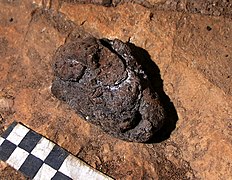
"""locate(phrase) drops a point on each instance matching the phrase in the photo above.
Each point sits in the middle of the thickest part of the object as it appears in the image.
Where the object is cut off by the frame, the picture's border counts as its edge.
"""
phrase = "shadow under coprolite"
(153, 73)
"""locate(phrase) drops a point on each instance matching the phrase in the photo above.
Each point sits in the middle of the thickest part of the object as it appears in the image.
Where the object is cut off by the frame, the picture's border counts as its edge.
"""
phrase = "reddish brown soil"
(190, 46)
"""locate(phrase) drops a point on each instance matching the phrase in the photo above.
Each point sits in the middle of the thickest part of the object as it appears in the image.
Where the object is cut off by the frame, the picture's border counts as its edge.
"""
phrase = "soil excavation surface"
(190, 48)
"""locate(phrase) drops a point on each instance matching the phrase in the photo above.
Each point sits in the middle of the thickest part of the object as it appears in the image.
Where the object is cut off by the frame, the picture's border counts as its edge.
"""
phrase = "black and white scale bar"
(40, 159)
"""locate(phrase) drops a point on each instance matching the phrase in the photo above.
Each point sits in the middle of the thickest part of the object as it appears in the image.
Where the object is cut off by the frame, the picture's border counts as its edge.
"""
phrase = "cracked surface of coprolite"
(102, 82)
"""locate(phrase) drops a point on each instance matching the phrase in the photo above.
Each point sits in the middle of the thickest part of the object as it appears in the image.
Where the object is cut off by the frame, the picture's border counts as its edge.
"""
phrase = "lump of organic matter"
(102, 82)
